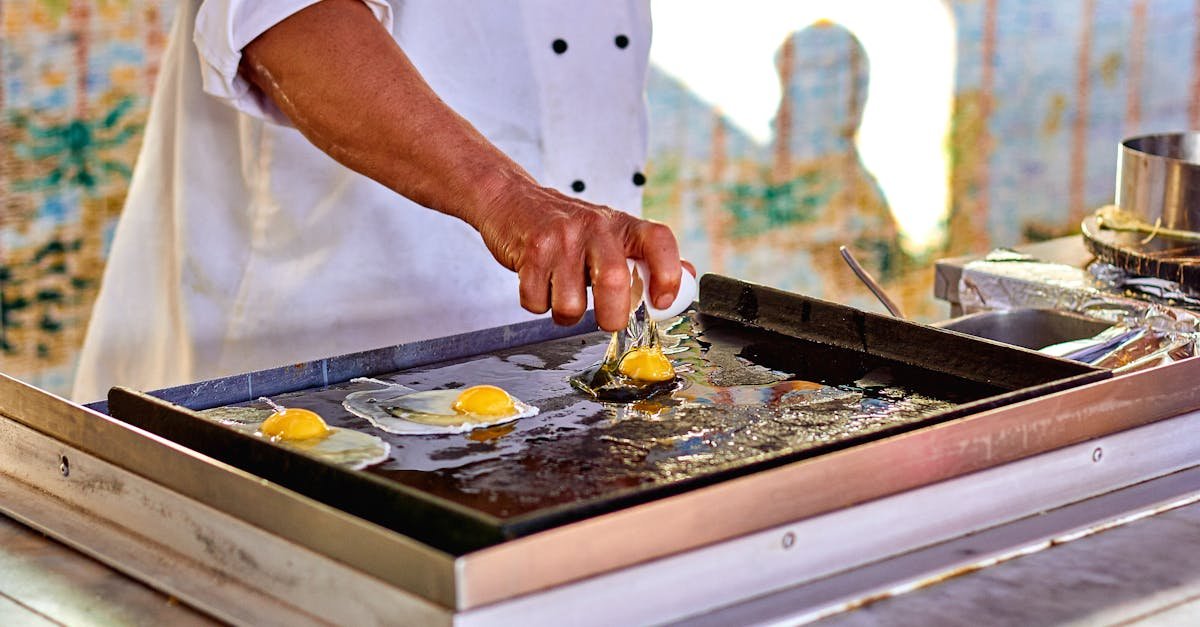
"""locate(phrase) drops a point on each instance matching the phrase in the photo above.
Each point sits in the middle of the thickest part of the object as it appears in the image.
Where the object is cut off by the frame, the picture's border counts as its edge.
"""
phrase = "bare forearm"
(344, 82)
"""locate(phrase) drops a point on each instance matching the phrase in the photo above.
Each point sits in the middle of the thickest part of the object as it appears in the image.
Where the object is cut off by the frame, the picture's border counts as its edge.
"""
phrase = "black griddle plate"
(580, 458)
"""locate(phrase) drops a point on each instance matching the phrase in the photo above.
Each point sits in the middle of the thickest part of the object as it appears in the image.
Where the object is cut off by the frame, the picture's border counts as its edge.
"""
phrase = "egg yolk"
(484, 400)
(646, 364)
(294, 424)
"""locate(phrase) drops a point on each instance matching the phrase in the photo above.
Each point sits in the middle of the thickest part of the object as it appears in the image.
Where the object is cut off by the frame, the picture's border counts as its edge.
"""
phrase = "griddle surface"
(773, 378)
(751, 396)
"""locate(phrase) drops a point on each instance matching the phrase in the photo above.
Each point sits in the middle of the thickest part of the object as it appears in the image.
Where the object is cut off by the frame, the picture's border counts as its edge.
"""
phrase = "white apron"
(242, 246)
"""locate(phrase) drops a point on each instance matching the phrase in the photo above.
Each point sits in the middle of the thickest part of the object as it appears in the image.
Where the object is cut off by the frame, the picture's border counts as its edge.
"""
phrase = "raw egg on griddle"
(634, 367)
(293, 424)
(402, 410)
(647, 363)
(304, 431)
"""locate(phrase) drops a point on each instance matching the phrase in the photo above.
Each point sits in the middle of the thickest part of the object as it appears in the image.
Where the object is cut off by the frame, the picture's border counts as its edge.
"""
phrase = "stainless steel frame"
(212, 560)
(827, 483)
(247, 574)
(224, 488)
(847, 543)
(914, 571)
(574, 552)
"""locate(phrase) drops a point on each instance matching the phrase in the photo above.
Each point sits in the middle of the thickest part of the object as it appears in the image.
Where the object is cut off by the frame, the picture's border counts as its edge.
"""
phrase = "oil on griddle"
(749, 396)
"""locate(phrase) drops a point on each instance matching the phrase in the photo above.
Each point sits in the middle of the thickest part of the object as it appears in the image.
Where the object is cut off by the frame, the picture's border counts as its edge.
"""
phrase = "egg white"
(344, 447)
(402, 410)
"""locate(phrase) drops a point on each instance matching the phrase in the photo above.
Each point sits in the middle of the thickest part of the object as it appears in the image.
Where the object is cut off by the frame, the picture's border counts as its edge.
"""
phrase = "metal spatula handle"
(870, 282)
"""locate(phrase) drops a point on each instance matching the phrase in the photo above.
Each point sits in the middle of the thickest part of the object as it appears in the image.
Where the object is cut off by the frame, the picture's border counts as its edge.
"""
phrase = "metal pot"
(1158, 177)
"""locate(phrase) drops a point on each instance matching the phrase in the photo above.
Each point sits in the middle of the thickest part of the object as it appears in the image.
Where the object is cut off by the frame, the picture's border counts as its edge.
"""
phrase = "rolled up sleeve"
(224, 27)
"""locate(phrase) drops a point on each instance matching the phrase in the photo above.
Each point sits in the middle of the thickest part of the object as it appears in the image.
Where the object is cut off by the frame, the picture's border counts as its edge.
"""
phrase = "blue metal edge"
(328, 371)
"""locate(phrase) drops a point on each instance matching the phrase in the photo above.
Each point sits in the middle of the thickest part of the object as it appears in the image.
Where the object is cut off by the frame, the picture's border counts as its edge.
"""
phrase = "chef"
(322, 177)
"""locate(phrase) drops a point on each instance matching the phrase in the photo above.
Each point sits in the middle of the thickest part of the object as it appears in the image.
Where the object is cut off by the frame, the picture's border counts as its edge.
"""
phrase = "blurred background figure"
(813, 194)
(1042, 93)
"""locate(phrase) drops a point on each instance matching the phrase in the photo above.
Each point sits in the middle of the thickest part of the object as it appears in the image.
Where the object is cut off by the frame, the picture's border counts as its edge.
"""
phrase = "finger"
(655, 243)
(568, 294)
(610, 285)
(535, 289)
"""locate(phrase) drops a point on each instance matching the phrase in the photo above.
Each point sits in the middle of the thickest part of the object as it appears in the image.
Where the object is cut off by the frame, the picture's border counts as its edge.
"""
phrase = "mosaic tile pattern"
(1044, 92)
(76, 80)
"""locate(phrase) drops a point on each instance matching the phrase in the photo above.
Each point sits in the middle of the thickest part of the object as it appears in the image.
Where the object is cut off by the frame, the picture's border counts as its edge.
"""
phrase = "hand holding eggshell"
(557, 245)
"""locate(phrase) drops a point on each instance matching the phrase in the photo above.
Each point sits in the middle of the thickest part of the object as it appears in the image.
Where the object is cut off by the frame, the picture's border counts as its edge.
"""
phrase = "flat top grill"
(773, 378)
(581, 451)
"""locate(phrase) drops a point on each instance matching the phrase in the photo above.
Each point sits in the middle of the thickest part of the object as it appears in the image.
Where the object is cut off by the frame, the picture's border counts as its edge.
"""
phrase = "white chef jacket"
(242, 246)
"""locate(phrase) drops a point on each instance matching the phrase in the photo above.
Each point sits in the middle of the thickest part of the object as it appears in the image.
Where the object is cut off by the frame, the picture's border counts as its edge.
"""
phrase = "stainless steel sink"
(1029, 328)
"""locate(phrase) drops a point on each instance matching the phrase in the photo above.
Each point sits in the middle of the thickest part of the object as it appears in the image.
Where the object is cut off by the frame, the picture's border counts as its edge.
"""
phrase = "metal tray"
(582, 444)
(1027, 328)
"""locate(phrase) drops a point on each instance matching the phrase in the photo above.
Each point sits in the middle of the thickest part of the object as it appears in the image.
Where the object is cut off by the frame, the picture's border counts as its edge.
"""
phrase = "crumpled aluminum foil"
(1152, 325)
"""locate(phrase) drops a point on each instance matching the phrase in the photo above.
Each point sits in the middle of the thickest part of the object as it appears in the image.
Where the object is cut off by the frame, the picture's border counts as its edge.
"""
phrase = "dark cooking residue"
(746, 396)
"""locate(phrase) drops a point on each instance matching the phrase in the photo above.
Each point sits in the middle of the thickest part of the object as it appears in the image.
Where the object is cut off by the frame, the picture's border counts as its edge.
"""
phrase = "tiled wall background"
(76, 80)
(1044, 92)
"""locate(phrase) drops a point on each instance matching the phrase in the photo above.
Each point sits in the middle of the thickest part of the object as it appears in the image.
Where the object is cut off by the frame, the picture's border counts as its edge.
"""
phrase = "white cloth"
(243, 247)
